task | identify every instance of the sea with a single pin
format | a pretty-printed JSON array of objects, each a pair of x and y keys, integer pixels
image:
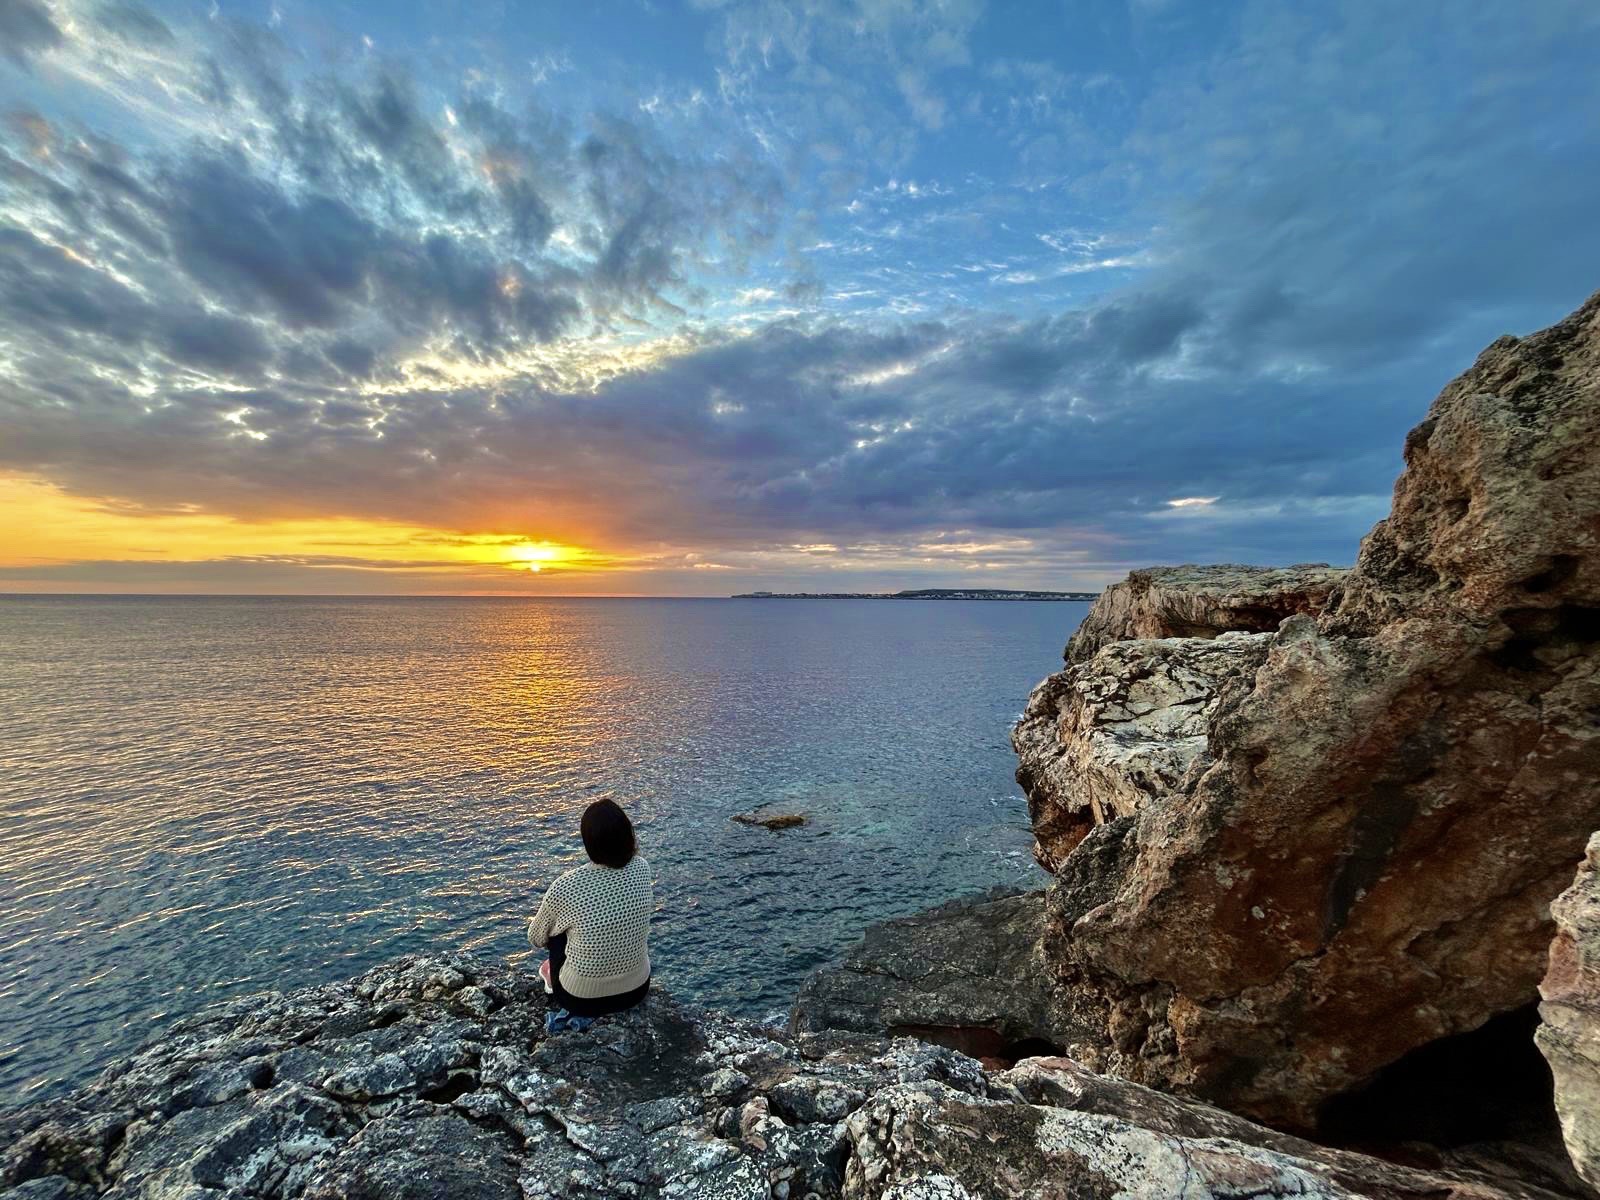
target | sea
[{"x": 202, "y": 797}]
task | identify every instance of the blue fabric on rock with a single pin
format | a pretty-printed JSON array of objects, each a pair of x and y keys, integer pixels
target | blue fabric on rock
[{"x": 559, "y": 1020}]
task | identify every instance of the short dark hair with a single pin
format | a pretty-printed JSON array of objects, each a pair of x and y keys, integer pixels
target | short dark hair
[{"x": 608, "y": 834}]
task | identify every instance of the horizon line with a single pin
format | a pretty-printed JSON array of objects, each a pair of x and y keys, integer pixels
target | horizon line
[{"x": 12, "y": 595}]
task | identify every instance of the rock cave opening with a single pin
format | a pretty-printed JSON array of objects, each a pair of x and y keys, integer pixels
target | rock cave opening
[{"x": 1487, "y": 1085}]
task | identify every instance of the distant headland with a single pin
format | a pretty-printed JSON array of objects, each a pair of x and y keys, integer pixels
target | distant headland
[{"x": 923, "y": 594}]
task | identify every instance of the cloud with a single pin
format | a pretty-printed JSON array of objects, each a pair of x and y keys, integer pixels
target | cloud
[
  {"x": 1000, "y": 426},
  {"x": 133, "y": 22},
  {"x": 344, "y": 220},
  {"x": 26, "y": 29},
  {"x": 363, "y": 293}
]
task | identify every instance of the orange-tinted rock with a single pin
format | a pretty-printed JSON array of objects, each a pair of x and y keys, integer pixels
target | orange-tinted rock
[{"x": 1364, "y": 858}]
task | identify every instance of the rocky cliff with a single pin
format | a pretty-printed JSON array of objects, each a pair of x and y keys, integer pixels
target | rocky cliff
[
  {"x": 428, "y": 1079},
  {"x": 1360, "y": 854},
  {"x": 1305, "y": 825}
]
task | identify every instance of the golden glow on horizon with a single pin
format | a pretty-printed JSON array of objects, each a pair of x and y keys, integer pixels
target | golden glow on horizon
[
  {"x": 45, "y": 527},
  {"x": 537, "y": 555},
  {"x": 52, "y": 541}
]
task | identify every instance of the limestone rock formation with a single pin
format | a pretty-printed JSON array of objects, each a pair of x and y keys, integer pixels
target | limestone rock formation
[
  {"x": 1113, "y": 733},
  {"x": 1191, "y": 601},
  {"x": 1570, "y": 1035},
  {"x": 431, "y": 1077},
  {"x": 1362, "y": 861}
]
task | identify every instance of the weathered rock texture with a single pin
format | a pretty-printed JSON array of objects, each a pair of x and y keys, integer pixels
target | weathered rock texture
[
  {"x": 1109, "y": 735},
  {"x": 968, "y": 974},
  {"x": 430, "y": 1078},
  {"x": 1202, "y": 602},
  {"x": 1363, "y": 857},
  {"x": 1570, "y": 1035},
  {"x": 1049, "y": 1129}
]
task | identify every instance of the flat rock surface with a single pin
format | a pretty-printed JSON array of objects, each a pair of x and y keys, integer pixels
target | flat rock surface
[
  {"x": 1202, "y": 601},
  {"x": 431, "y": 1078}
]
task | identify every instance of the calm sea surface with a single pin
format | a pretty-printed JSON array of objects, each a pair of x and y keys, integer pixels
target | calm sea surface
[{"x": 201, "y": 797}]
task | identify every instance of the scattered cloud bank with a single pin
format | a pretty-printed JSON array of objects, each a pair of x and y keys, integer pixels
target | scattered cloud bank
[{"x": 1179, "y": 306}]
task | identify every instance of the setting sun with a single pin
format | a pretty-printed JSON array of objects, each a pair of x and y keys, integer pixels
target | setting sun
[{"x": 535, "y": 556}]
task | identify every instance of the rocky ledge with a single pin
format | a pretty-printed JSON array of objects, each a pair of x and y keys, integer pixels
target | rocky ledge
[
  {"x": 1201, "y": 602},
  {"x": 432, "y": 1078}
]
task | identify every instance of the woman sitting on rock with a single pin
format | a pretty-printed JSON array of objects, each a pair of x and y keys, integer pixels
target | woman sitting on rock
[{"x": 595, "y": 922}]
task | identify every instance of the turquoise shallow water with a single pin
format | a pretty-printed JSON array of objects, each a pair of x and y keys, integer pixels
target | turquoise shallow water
[{"x": 207, "y": 796}]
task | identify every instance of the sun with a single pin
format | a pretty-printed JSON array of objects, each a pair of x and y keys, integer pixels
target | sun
[{"x": 535, "y": 555}]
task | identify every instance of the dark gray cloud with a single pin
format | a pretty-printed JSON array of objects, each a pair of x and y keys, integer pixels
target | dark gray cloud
[
  {"x": 794, "y": 433},
  {"x": 26, "y": 28}
]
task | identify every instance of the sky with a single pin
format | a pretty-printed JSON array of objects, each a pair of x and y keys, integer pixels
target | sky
[{"x": 687, "y": 299}]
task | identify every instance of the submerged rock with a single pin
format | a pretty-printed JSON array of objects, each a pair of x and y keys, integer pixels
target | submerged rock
[
  {"x": 1360, "y": 854},
  {"x": 770, "y": 820},
  {"x": 389, "y": 1086},
  {"x": 1570, "y": 1035}
]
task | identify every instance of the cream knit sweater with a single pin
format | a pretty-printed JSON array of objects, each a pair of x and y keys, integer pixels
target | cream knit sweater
[{"x": 605, "y": 913}]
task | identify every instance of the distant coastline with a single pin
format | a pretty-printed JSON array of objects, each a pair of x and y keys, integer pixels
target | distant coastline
[{"x": 924, "y": 594}]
